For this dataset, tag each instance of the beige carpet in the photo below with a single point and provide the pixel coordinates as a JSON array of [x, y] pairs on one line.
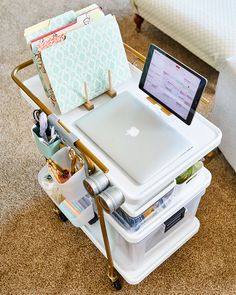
[[40, 255]]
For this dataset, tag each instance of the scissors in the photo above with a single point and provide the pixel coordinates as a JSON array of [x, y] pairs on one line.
[[61, 174], [46, 131], [42, 123], [74, 161], [36, 114]]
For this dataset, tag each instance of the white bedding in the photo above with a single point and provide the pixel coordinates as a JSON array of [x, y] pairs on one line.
[[224, 112], [205, 27]]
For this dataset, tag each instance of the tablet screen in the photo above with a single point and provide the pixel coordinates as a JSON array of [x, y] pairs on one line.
[[172, 84]]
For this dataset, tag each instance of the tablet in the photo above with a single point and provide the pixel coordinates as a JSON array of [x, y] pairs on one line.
[[172, 84]]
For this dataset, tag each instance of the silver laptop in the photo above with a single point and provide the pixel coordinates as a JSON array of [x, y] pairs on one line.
[[134, 136]]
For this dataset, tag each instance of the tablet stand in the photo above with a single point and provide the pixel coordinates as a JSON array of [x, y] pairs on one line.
[[163, 109]]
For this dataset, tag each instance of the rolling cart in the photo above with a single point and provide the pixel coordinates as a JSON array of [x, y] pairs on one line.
[[136, 251]]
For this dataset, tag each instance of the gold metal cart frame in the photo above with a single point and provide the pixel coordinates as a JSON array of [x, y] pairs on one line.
[[87, 154]]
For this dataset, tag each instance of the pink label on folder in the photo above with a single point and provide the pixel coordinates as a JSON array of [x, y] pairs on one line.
[[47, 43]]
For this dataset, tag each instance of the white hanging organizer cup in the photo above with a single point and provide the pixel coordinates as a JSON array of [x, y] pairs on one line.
[[73, 189]]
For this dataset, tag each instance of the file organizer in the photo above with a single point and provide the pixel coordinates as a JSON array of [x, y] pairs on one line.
[[103, 37], [134, 254], [42, 35]]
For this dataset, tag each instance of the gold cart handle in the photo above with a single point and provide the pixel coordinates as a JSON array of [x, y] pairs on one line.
[[139, 56], [25, 89], [45, 109]]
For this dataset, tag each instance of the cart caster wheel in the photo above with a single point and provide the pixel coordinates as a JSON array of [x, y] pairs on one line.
[[62, 217], [94, 219], [60, 214], [117, 285]]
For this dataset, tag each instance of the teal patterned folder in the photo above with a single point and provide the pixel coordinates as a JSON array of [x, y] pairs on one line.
[[86, 55]]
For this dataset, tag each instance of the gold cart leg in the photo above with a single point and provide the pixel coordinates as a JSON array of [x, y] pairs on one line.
[[112, 273]]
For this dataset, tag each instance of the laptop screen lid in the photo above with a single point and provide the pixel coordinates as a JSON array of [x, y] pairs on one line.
[[134, 136]]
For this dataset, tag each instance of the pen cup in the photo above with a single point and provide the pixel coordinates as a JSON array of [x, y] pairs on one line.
[[73, 189], [47, 150]]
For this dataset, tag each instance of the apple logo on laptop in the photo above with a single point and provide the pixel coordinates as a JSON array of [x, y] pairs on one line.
[[132, 131]]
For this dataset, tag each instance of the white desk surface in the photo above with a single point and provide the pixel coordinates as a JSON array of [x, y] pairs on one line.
[[203, 134]]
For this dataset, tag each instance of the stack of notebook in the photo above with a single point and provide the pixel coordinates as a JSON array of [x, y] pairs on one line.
[[74, 48]]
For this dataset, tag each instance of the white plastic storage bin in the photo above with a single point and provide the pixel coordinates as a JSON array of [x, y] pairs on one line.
[[131, 249], [73, 189], [134, 223]]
